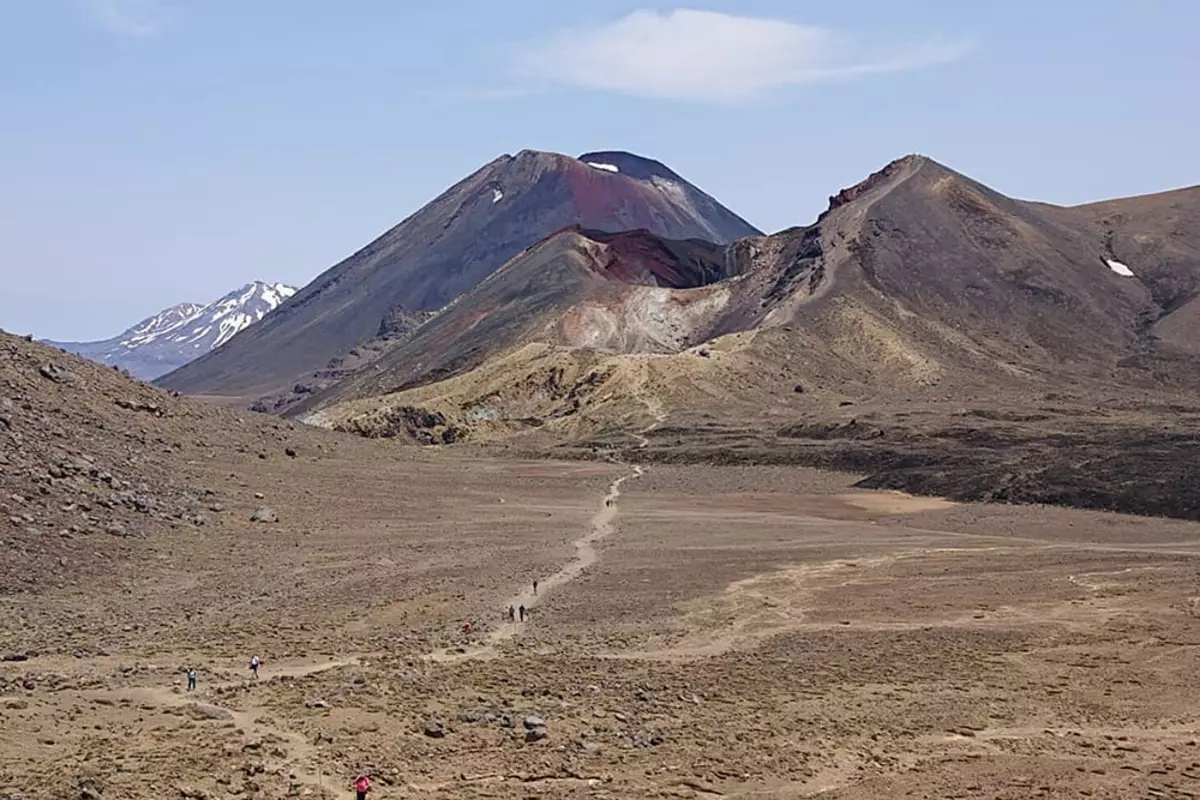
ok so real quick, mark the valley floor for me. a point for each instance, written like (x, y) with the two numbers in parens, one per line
(698, 632)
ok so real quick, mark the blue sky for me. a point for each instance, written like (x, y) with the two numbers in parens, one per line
(156, 151)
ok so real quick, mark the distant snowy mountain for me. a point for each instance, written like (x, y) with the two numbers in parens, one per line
(179, 334)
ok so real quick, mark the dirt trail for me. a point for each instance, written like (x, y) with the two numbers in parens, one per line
(302, 762)
(585, 556)
(251, 720)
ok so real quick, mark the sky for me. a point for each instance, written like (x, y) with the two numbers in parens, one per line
(160, 151)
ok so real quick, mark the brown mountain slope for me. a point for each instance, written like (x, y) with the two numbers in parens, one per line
(1019, 284)
(92, 463)
(581, 288)
(916, 286)
(1157, 237)
(918, 267)
(447, 248)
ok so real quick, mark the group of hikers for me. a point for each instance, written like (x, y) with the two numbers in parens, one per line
(519, 611)
(362, 784)
(255, 663)
(513, 614)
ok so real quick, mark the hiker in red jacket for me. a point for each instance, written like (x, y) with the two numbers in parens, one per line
(361, 787)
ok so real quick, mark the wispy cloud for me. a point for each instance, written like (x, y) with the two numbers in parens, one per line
(124, 17)
(707, 56)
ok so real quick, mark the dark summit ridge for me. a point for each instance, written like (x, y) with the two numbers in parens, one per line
(873, 181)
(628, 164)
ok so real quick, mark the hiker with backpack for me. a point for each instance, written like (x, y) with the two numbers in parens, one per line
(361, 787)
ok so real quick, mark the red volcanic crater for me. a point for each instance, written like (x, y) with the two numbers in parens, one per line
(639, 257)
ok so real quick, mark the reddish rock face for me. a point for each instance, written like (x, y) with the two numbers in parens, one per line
(641, 258)
(849, 195)
(449, 247)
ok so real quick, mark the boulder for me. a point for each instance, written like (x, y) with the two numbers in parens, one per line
(52, 372)
(264, 514)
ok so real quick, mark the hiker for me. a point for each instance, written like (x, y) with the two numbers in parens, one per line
(191, 675)
(521, 611)
(512, 614)
(535, 588)
(361, 787)
(255, 662)
(467, 629)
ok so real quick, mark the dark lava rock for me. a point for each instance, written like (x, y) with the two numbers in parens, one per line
(53, 372)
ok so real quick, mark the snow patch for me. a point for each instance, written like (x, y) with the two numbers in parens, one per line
(231, 326)
(497, 195)
(605, 167)
(1118, 267)
(273, 294)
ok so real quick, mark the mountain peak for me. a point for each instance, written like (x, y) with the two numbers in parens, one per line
(615, 162)
(271, 294)
(179, 334)
(629, 164)
(893, 172)
(448, 248)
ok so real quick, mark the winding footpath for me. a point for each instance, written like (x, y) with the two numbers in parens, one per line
(254, 721)
(585, 556)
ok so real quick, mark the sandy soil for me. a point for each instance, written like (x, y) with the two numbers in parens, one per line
(697, 632)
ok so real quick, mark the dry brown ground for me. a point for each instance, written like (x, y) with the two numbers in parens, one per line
(711, 631)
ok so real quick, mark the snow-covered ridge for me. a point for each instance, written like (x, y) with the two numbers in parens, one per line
(182, 333)
(189, 323)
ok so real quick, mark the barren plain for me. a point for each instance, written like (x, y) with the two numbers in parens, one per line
(699, 631)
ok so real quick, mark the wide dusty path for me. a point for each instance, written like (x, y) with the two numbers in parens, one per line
(302, 760)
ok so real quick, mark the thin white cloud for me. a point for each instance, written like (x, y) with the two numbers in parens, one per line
(125, 17)
(712, 57)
